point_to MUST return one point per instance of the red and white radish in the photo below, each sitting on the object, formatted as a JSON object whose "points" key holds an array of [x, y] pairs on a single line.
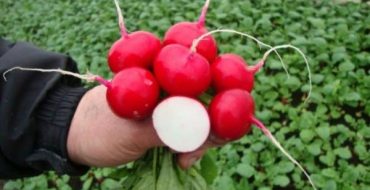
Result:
{"points": [[185, 32], [133, 93], [182, 72], [136, 49], [181, 123], [232, 113]]}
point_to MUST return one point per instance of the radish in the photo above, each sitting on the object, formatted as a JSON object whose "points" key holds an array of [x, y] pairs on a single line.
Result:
{"points": [[232, 113], [132, 94], [185, 32], [182, 72], [136, 49], [182, 123], [230, 71]]}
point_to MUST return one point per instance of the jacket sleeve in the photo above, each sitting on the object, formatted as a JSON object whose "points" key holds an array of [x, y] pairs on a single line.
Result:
{"points": [[36, 110]]}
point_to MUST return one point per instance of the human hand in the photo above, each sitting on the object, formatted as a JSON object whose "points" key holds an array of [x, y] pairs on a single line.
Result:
{"points": [[97, 137]]}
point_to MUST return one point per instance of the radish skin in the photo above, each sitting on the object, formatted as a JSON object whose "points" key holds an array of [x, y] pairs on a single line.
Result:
{"points": [[181, 123], [182, 72], [137, 49], [203, 14], [184, 33]]}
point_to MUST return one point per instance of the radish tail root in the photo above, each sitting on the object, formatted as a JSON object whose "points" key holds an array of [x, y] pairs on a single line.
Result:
{"points": [[305, 60], [202, 17], [278, 145], [200, 38], [87, 77], [121, 22]]}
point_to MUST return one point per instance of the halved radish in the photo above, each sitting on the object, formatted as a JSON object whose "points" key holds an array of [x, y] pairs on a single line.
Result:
{"points": [[182, 123]]}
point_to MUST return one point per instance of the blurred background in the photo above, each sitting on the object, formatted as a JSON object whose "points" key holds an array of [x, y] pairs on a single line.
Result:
{"points": [[329, 135]]}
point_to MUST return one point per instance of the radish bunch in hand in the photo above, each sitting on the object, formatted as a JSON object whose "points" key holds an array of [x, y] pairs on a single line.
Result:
{"points": [[182, 69]]}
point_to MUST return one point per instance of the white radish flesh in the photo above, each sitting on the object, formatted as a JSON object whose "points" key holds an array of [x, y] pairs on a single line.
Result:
{"points": [[182, 123]]}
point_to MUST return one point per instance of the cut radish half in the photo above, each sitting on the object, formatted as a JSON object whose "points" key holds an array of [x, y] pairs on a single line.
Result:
{"points": [[181, 123]]}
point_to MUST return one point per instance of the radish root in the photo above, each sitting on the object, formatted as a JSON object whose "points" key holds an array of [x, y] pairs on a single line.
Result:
{"points": [[197, 41], [278, 145], [89, 77], [202, 17], [261, 63], [121, 22]]}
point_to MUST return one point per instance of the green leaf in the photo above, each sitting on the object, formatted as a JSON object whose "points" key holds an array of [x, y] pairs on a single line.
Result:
{"points": [[330, 185], [209, 168], [281, 180], [328, 159], [225, 183], [307, 135], [13, 185], [257, 147], [168, 178], [87, 184], [346, 66], [323, 132], [316, 22], [109, 184], [344, 153], [315, 148], [353, 96], [245, 170], [285, 167], [330, 173]]}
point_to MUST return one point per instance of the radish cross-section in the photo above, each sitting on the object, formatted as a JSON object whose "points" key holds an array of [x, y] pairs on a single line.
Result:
{"points": [[181, 123]]}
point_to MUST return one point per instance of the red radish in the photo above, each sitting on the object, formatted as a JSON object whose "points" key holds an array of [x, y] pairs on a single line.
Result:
{"points": [[136, 49], [230, 71], [133, 93], [181, 123], [185, 32], [182, 72], [232, 113]]}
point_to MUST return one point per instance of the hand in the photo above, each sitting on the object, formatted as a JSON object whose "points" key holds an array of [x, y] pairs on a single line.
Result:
{"points": [[97, 137]]}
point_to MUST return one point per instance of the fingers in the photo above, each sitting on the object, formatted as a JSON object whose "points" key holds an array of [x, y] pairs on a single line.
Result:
{"points": [[213, 141], [147, 135], [186, 160]]}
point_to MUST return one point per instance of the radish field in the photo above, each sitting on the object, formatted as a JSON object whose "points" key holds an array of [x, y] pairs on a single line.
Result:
{"points": [[329, 134]]}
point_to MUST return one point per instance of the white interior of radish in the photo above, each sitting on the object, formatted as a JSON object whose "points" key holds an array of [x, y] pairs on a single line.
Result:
{"points": [[181, 123]]}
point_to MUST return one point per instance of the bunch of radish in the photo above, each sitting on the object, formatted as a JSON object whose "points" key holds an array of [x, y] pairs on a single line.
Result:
{"points": [[165, 79]]}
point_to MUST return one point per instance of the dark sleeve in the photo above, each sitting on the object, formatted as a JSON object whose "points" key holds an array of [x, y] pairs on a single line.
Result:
{"points": [[36, 110]]}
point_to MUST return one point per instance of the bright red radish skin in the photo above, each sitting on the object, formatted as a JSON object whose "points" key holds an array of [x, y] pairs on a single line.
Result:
{"points": [[181, 123], [182, 72], [185, 33], [137, 49], [231, 112], [133, 93], [230, 71]]}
